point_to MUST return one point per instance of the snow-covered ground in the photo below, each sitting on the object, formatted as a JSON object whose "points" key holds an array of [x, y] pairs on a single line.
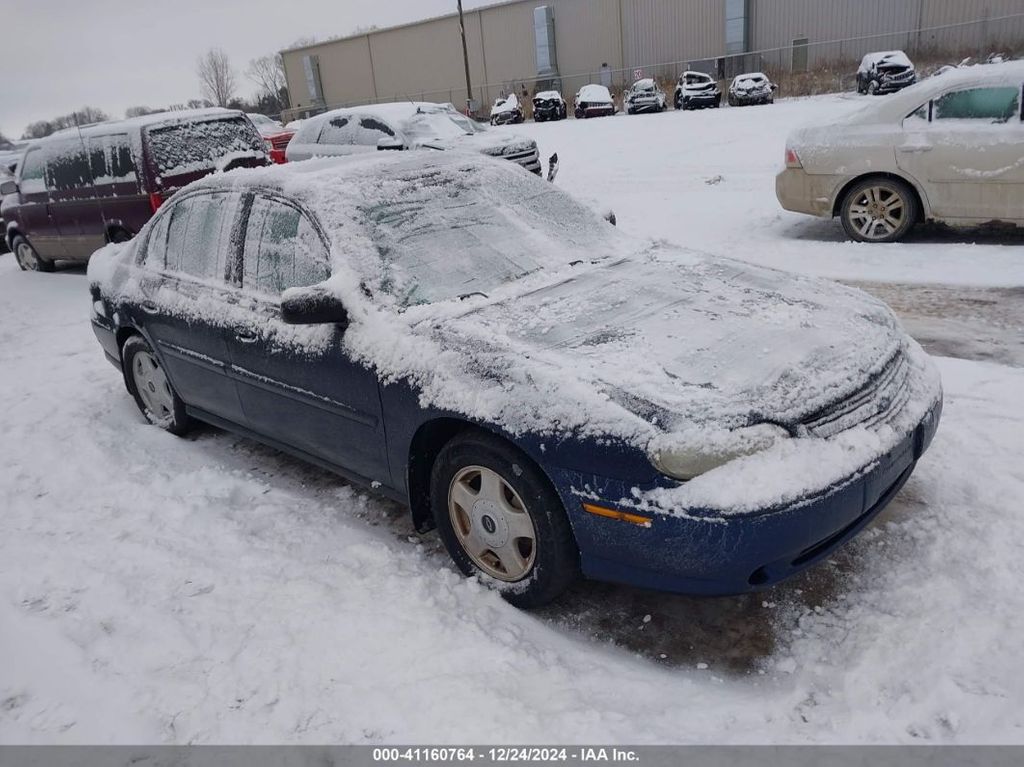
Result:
{"points": [[211, 590]]}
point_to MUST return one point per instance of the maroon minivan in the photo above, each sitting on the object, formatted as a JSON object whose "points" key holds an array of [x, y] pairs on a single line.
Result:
{"points": [[83, 187]]}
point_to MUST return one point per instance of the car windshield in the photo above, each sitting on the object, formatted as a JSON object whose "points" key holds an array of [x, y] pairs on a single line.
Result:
{"points": [[424, 126], [462, 227]]}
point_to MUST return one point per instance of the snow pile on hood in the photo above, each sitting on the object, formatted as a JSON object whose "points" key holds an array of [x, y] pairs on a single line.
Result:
{"points": [[548, 96], [508, 104]]}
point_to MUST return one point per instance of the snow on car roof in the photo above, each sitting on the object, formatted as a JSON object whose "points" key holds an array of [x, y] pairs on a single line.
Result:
{"points": [[898, 58], [594, 92], [548, 95], [397, 112], [145, 121], [755, 76], [644, 82]]}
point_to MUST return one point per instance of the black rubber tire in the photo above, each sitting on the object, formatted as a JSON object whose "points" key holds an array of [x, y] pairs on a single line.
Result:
{"points": [[178, 422], [910, 205], [37, 264], [556, 562]]}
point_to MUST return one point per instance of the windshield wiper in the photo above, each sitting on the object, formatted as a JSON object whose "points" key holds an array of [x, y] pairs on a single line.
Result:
{"points": [[464, 296]]}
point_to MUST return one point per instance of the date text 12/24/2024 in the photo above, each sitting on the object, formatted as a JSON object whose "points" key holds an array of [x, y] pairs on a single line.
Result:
{"points": [[503, 754]]}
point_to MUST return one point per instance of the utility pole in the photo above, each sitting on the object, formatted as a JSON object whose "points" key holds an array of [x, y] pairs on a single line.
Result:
{"points": [[465, 60]]}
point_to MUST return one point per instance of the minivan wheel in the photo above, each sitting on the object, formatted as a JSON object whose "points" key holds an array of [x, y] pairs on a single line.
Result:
{"points": [[152, 390], [500, 520], [879, 210], [27, 258]]}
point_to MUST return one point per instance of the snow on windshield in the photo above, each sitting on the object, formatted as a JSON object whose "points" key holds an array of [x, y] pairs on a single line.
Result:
{"points": [[437, 125], [451, 230]]}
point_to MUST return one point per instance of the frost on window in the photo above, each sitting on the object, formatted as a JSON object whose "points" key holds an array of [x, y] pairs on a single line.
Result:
{"points": [[282, 249], [197, 236], [198, 146], [363, 131], [32, 171], [156, 244], [67, 166], [991, 105], [111, 163], [441, 234]]}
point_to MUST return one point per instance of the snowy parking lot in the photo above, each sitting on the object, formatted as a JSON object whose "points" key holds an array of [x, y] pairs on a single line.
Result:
{"points": [[209, 589]]}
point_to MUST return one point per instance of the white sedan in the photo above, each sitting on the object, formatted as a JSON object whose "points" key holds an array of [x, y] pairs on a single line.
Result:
{"points": [[949, 149]]}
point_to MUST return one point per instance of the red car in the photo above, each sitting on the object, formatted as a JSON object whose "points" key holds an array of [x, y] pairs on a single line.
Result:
{"points": [[274, 134]]}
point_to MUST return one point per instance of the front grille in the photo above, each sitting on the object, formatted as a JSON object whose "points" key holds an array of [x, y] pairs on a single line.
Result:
{"points": [[529, 159], [881, 398]]}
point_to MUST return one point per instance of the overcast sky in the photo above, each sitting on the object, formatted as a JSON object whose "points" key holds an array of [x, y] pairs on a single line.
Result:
{"points": [[59, 55]]}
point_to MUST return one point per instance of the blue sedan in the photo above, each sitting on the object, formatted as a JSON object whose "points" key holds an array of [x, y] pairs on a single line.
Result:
{"points": [[554, 396]]}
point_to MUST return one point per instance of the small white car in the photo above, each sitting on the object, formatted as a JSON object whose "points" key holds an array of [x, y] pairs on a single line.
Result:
{"points": [[406, 125], [949, 149], [751, 88], [645, 95], [696, 90]]}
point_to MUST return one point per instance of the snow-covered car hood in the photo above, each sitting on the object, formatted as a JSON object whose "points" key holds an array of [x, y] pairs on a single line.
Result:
{"points": [[508, 104], [683, 339], [893, 59], [548, 96], [750, 83]]}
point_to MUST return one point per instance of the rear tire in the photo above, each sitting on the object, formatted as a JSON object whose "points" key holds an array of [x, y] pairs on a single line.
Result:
{"points": [[27, 258], [149, 385], [879, 210], [501, 520]]}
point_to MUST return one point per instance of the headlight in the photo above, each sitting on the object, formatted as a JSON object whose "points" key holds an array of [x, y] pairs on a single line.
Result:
{"points": [[688, 456]]}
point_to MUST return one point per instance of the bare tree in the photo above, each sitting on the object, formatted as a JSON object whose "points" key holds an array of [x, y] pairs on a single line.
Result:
{"points": [[217, 77], [82, 116], [140, 111], [268, 74]]}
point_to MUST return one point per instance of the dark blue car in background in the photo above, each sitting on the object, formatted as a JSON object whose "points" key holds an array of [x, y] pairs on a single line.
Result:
{"points": [[554, 396]]}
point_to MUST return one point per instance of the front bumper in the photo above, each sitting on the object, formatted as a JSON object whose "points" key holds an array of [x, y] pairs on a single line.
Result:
{"points": [[701, 100], [735, 554], [646, 106], [757, 97], [898, 83], [810, 193]]}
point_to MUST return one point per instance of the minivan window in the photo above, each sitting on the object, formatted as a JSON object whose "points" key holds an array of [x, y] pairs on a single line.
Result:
{"points": [[32, 169], [192, 147], [282, 249], [993, 105], [197, 236], [110, 160], [67, 166]]}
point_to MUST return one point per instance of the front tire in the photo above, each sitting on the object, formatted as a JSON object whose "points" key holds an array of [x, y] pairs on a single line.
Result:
{"points": [[501, 520], [27, 258], [879, 210], [151, 388]]}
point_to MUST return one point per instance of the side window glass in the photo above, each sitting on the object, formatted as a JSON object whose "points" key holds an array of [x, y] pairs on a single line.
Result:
{"points": [[919, 114], [987, 105], [67, 166], [32, 168], [156, 244], [110, 161], [282, 250], [198, 236], [371, 131], [336, 131]]}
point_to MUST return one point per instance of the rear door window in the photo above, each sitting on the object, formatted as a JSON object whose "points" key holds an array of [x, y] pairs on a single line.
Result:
{"points": [[184, 151], [979, 105], [112, 165], [194, 237], [282, 249], [67, 168]]}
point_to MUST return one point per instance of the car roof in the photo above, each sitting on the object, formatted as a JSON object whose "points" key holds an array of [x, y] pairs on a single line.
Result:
{"points": [[397, 112], [751, 75], [157, 118], [644, 82]]}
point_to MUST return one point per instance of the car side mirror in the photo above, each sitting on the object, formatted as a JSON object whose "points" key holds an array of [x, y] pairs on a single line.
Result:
{"points": [[315, 305], [390, 143], [10, 186]]}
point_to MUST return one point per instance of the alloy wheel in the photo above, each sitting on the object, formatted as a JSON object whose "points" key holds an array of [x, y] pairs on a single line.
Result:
{"points": [[878, 212], [27, 258], [491, 523]]}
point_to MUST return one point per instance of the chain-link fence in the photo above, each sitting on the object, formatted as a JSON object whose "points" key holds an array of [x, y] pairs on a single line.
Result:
{"points": [[802, 68]]}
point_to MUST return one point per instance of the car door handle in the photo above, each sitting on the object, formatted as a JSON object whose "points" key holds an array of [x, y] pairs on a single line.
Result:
{"points": [[247, 336], [915, 149], [148, 307]]}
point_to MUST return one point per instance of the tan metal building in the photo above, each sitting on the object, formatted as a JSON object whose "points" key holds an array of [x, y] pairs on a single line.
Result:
{"points": [[607, 40]]}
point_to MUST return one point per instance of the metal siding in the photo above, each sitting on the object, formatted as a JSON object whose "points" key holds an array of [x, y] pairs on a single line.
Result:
{"points": [[508, 46], [344, 72]]}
